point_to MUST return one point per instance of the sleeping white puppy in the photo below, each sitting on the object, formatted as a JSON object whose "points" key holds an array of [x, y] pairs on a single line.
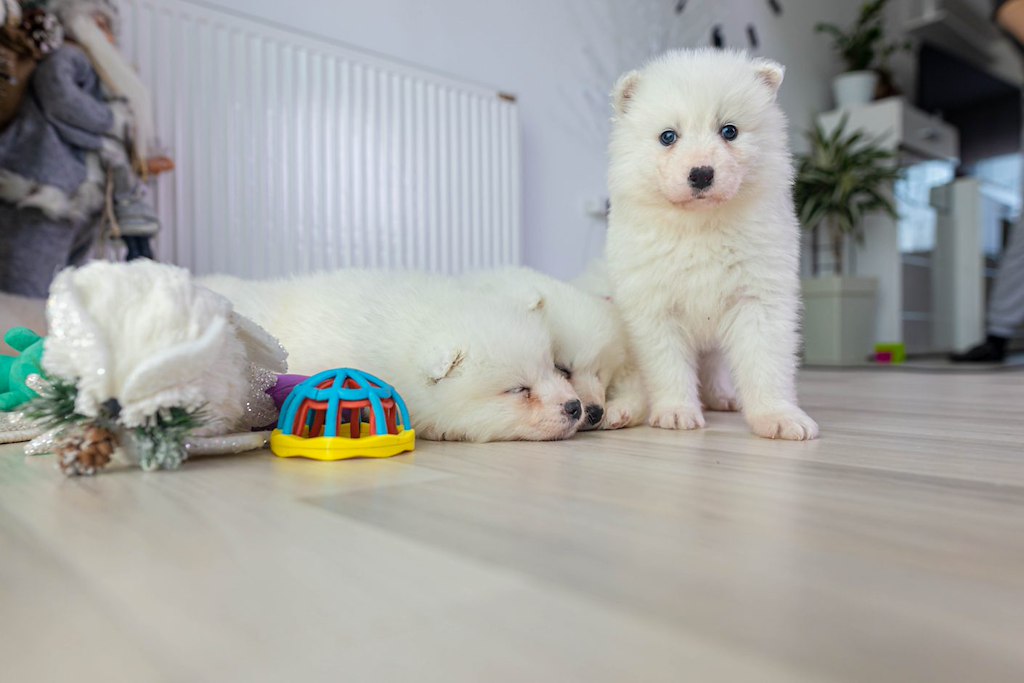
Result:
{"points": [[470, 367], [589, 342]]}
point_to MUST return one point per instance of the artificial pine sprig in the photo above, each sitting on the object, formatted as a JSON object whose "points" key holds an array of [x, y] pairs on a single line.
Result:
{"points": [[55, 406], [161, 442]]}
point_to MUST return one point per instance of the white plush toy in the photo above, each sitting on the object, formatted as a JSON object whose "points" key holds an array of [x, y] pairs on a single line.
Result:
{"points": [[142, 361]]}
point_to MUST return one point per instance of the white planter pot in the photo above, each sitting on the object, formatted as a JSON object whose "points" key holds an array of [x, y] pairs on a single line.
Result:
{"points": [[854, 87], [839, 320]]}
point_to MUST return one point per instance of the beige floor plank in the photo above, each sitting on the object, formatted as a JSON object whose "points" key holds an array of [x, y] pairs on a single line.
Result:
{"points": [[890, 550]]}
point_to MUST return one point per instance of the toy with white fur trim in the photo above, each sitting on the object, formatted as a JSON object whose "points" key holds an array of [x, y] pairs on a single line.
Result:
{"points": [[140, 351]]}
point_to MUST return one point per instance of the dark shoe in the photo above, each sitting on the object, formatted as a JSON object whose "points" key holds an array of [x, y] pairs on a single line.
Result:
{"points": [[138, 247], [992, 350]]}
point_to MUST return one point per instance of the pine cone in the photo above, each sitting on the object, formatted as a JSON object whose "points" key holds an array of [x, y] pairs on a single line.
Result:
{"points": [[85, 450]]}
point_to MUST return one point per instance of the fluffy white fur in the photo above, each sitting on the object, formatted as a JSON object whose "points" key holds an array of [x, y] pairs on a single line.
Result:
{"points": [[706, 278], [144, 334], [54, 202], [470, 367], [588, 338]]}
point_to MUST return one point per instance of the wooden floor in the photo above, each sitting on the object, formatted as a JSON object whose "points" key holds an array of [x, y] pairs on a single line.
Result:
{"points": [[890, 550]]}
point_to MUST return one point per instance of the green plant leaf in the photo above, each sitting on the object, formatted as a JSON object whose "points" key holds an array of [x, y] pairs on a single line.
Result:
{"points": [[843, 177], [862, 46]]}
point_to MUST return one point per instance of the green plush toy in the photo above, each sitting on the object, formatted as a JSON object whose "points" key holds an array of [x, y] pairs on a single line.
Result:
{"points": [[14, 371]]}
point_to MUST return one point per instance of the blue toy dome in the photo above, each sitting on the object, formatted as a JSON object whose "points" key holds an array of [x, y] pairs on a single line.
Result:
{"points": [[322, 404]]}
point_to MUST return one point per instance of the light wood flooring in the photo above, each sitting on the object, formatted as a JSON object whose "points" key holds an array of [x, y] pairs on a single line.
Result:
{"points": [[890, 550]]}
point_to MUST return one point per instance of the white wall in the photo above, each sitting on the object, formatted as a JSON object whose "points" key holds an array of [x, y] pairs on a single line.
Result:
{"points": [[560, 58]]}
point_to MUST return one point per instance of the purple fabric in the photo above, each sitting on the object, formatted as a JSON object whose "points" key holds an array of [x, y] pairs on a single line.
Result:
{"points": [[285, 383]]}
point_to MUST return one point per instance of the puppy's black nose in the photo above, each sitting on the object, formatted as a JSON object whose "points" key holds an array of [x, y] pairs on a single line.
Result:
{"points": [[594, 414], [701, 177], [573, 409], [112, 407]]}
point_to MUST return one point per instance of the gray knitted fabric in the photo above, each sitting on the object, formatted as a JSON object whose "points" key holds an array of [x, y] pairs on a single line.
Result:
{"points": [[34, 248], [63, 117]]}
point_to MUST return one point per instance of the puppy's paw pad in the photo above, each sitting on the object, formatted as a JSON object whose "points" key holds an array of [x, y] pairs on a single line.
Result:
{"points": [[791, 424], [677, 418]]}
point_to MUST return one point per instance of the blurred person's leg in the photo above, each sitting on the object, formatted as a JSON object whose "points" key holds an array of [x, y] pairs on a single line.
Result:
{"points": [[1006, 308]]}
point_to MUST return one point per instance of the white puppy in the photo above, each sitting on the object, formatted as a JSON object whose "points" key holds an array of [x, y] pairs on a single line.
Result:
{"points": [[703, 240], [470, 367], [589, 341]]}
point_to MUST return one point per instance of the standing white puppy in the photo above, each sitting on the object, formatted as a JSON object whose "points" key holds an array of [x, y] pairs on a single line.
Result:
{"points": [[703, 241]]}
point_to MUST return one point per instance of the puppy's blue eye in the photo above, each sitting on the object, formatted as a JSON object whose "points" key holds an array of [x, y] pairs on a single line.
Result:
{"points": [[729, 132], [519, 390], [668, 137]]}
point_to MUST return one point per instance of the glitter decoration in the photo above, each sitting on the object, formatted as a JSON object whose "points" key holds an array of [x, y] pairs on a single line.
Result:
{"points": [[260, 410], [37, 383], [241, 442], [17, 427], [44, 443], [12, 422], [74, 343]]}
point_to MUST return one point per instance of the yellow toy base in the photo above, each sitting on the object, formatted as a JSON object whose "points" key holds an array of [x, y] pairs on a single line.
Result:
{"points": [[342, 447]]}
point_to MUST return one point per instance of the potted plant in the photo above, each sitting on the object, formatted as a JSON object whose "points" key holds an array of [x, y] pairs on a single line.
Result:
{"points": [[864, 51], [843, 178]]}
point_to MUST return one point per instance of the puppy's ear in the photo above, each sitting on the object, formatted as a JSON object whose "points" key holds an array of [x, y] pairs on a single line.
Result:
{"points": [[770, 73], [534, 300], [443, 363], [623, 92], [261, 348]]}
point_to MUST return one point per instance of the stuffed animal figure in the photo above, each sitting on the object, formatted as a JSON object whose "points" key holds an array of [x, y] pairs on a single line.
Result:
{"points": [[143, 363]]}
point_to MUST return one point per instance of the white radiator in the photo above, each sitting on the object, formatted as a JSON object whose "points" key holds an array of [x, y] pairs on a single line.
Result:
{"points": [[294, 153]]}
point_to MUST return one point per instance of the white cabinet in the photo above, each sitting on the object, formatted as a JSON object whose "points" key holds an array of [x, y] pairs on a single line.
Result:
{"points": [[917, 137], [958, 266]]}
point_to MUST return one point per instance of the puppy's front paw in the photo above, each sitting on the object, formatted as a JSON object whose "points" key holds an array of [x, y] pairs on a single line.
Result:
{"points": [[616, 417], [792, 424], [677, 418]]}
